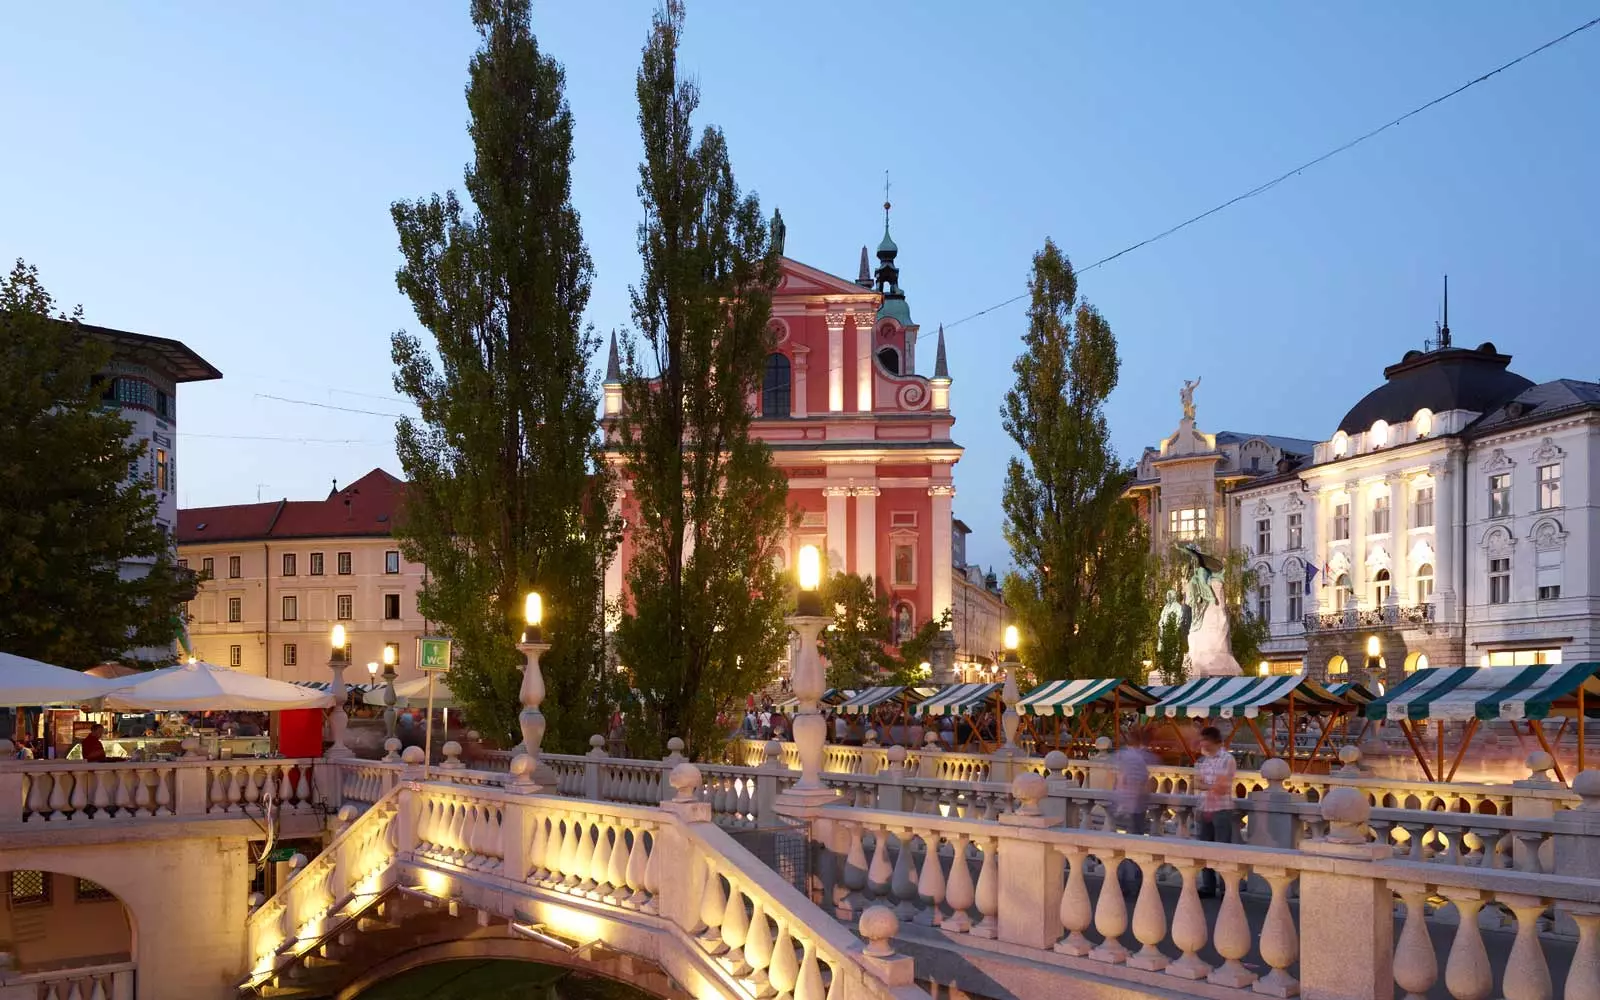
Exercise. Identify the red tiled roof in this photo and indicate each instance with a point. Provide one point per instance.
(367, 507)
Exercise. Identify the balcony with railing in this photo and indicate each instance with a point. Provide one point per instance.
(1353, 617)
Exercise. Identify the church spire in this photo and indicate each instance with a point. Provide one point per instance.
(613, 363)
(941, 367)
(864, 279)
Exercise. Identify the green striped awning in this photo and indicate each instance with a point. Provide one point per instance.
(830, 698)
(865, 701)
(1248, 696)
(1455, 694)
(957, 699)
(1353, 692)
(1070, 697)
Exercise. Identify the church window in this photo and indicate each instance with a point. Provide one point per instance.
(775, 387)
(889, 358)
(905, 563)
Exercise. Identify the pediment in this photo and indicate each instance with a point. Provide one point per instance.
(801, 279)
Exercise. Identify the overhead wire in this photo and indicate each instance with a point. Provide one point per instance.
(1266, 186)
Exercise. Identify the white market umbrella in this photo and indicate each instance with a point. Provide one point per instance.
(29, 682)
(205, 687)
(414, 694)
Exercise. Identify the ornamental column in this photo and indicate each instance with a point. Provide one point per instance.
(838, 553)
(1447, 517)
(1400, 525)
(1358, 540)
(867, 531)
(941, 495)
(864, 323)
(802, 362)
(835, 362)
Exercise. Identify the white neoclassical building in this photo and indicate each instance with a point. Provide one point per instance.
(1448, 520)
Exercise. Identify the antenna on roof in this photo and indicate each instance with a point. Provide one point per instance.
(1444, 330)
(259, 488)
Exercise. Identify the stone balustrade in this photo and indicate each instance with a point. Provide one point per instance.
(73, 791)
(112, 981)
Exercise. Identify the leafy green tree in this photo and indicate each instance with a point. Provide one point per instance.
(855, 645)
(1082, 553)
(1169, 651)
(507, 490)
(707, 622)
(918, 649)
(71, 517)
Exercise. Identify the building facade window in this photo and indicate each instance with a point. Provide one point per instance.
(316, 564)
(291, 608)
(1425, 583)
(208, 567)
(1292, 598)
(1264, 602)
(1522, 658)
(89, 891)
(291, 654)
(391, 607)
(1263, 536)
(235, 568)
(391, 561)
(235, 609)
(1341, 521)
(1381, 588)
(289, 566)
(775, 392)
(1380, 515)
(183, 564)
(1500, 495)
(1500, 581)
(1344, 592)
(163, 471)
(345, 606)
(1187, 524)
(905, 564)
(1424, 507)
(1296, 531)
(1550, 593)
(1338, 666)
(235, 656)
(1549, 486)
(30, 887)
(344, 564)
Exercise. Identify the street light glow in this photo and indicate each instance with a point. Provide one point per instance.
(533, 608)
(810, 566)
(1263, 669)
(388, 655)
(1011, 638)
(372, 667)
(1372, 646)
(338, 639)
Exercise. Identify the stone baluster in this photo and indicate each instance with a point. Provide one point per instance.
(537, 849)
(712, 906)
(1583, 974)
(638, 863)
(930, 882)
(735, 930)
(571, 849)
(1076, 913)
(1110, 913)
(59, 800)
(79, 799)
(1527, 975)
(880, 871)
(1231, 935)
(960, 892)
(142, 802)
(1467, 974)
(987, 894)
(1149, 917)
(652, 874)
(1416, 967)
(616, 883)
(783, 973)
(554, 848)
(809, 986)
(902, 882)
(1189, 925)
(758, 949)
(1280, 942)
(38, 796)
(104, 792)
(855, 875)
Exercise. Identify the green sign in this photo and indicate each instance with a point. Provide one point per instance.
(283, 853)
(433, 653)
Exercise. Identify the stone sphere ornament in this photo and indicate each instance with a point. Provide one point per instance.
(522, 769)
(1028, 788)
(685, 779)
(879, 925)
(1346, 811)
(1057, 762)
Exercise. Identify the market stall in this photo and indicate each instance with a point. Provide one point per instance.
(25, 682)
(1081, 701)
(1473, 695)
(831, 698)
(885, 707)
(1244, 699)
(976, 706)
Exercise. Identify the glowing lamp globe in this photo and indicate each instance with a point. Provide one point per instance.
(1372, 647)
(338, 640)
(533, 616)
(809, 569)
(388, 656)
(1011, 638)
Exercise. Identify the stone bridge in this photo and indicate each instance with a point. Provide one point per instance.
(918, 874)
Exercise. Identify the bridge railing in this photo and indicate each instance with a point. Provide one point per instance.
(1318, 917)
(111, 981)
(62, 791)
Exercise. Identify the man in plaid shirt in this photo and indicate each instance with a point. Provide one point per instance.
(1214, 773)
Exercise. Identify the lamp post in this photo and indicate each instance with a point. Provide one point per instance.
(532, 646)
(1374, 660)
(1009, 694)
(337, 719)
(806, 679)
(388, 692)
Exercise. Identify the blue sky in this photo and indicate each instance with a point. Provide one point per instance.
(222, 175)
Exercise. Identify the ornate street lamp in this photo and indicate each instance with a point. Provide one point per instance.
(389, 698)
(1374, 660)
(532, 646)
(806, 679)
(1009, 694)
(337, 719)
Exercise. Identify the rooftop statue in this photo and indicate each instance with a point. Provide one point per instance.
(1186, 394)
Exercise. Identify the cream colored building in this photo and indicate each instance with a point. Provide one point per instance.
(278, 576)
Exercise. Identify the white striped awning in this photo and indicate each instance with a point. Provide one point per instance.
(1205, 697)
(1456, 694)
(957, 699)
(865, 701)
(1071, 697)
(326, 687)
(830, 698)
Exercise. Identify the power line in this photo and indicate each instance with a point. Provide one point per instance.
(383, 397)
(255, 437)
(1269, 185)
(326, 406)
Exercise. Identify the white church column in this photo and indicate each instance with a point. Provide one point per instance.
(941, 495)
(838, 527)
(798, 402)
(835, 362)
(867, 531)
(864, 321)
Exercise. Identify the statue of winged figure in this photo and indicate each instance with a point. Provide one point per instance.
(1205, 582)
(1186, 394)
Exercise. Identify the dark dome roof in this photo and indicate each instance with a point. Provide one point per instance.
(1454, 378)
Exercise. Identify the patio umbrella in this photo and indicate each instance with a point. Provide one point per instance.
(205, 687)
(414, 694)
(29, 682)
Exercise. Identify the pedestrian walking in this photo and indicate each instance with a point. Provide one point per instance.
(1214, 773)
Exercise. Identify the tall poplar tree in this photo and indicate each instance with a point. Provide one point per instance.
(507, 491)
(70, 514)
(708, 602)
(1081, 550)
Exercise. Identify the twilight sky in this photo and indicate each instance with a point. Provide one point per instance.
(222, 175)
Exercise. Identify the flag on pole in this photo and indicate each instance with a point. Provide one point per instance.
(1311, 573)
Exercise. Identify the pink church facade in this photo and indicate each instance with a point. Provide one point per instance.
(865, 442)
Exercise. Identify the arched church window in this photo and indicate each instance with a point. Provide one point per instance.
(775, 392)
(889, 358)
